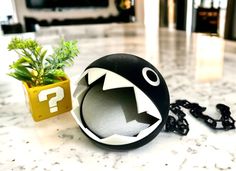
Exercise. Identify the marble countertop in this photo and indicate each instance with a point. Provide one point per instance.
(196, 67)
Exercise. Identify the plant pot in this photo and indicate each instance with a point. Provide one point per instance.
(49, 100)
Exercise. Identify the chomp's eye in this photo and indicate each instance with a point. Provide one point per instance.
(150, 76)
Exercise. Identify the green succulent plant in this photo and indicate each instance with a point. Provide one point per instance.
(34, 67)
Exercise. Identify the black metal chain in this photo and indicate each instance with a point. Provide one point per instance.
(180, 125)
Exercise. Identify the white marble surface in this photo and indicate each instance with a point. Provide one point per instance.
(196, 67)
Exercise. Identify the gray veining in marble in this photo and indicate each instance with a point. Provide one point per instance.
(196, 67)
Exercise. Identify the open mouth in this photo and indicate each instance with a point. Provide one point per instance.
(112, 110)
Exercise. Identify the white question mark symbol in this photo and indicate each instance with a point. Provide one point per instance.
(53, 101)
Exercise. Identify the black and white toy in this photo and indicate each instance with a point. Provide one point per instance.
(122, 101)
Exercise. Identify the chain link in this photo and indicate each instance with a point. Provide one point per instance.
(180, 125)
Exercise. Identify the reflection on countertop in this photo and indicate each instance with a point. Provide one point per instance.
(196, 67)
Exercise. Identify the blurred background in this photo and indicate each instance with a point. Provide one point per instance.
(215, 17)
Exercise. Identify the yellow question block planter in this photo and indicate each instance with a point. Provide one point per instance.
(49, 100)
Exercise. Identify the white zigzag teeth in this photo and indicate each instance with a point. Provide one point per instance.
(118, 139)
(95, 74)
(145, 132)
(144, 104)
(82, 86)
(113, 81)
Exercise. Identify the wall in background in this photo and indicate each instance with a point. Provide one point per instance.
(230, 23)
(47, 14)
(7, 9)
(234, 22)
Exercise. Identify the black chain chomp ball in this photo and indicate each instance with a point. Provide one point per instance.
(122, 101)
